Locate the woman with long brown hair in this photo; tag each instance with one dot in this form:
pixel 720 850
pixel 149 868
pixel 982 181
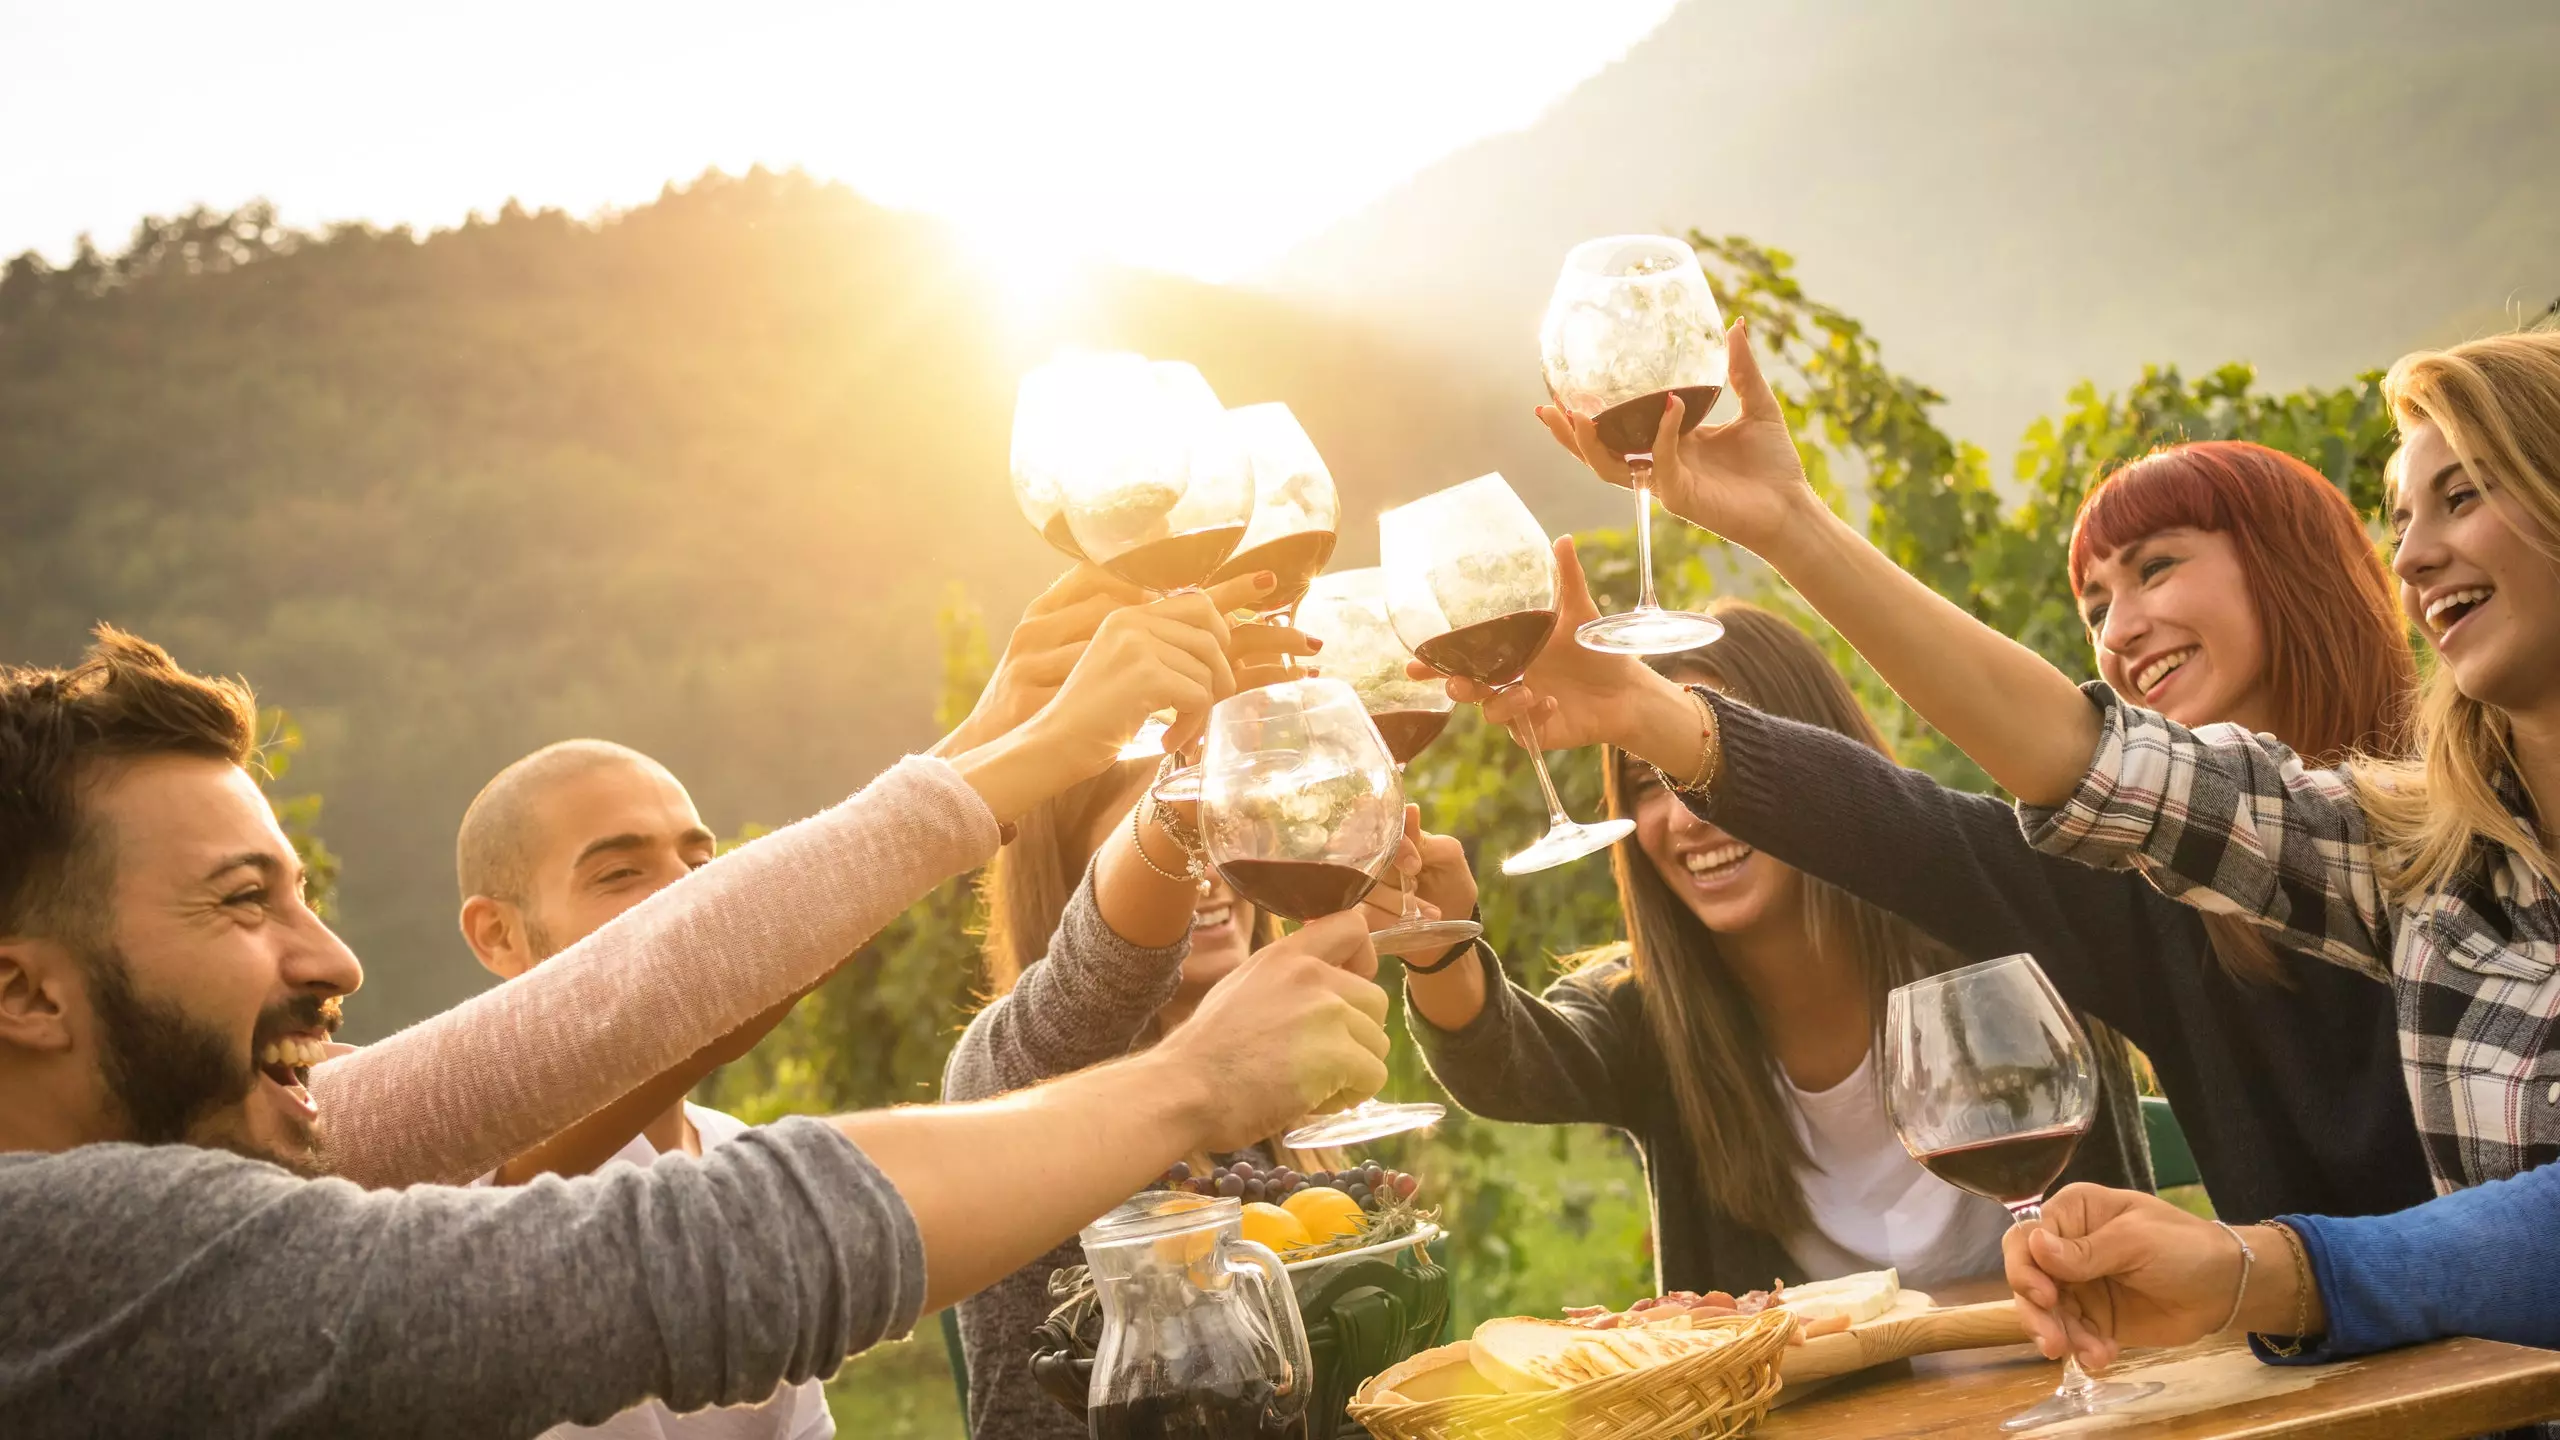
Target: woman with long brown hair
pixel 2436 873
pixel 2222 582
pixel 1733 1037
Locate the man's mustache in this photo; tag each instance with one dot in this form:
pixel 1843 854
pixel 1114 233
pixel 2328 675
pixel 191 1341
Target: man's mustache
pixel 301 1014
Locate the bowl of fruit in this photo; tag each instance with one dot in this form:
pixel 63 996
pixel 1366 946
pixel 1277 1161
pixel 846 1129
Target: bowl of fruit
pixel 1316 1220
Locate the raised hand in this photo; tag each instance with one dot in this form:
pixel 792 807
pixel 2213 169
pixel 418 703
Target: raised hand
pixel 1266 654
pixel 1041 652
pixel 1579 696
pixel 1434 867
pixel 1298 1028
pixel 2109 1268
pixel 1742 479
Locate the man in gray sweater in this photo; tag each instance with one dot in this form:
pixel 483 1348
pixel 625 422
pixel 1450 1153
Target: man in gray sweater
pixel 164 991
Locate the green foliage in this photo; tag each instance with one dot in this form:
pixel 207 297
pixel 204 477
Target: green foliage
pixel 298 814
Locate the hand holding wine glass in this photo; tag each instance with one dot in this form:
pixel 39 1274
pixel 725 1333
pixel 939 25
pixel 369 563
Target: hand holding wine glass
pixel 1742 479
pixel 1168 654
pixel 1991 1086
pixel 1041 651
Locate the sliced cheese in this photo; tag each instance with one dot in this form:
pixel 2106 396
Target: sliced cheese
pixel 1856 1298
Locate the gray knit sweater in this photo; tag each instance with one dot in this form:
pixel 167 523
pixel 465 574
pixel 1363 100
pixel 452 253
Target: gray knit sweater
pixel 1088 1001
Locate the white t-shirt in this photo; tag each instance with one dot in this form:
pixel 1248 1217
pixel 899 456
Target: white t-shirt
pixel 1872 1204
pixel 795 1412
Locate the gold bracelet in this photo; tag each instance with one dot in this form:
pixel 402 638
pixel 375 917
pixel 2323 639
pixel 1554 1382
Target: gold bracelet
pixel 2301 1292
pixel 1710 761
pixel 1192 868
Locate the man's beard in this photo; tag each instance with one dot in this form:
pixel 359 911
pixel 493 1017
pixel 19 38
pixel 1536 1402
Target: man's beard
pixel 174 1078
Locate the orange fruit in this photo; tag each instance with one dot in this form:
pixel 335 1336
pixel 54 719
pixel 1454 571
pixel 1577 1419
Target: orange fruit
pixel 1272 1226
pixel 1327 1213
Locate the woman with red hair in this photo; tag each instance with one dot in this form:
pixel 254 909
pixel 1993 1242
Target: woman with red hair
pixel 2219 582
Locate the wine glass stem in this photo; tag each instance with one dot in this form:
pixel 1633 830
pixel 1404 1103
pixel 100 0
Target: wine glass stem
pixel 2075 1381
pixel 1640 475
pixel 1527 730
pixel 1411 910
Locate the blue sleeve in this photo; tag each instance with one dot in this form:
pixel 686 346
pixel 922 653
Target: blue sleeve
pixel 2483 1262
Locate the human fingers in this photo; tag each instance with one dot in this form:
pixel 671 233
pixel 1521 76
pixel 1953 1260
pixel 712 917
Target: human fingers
pixel 1177 634
pixel 1351 978
pixel 1509 708
pixel 1271 640
pixel 2107 1251
pixel 1666 436
pixel 1065 625
pixel 1083 582
pixel 1743 377
pixel 2043 1327
pixel 1573 588
pixel 1240 592
pixel 2018 1267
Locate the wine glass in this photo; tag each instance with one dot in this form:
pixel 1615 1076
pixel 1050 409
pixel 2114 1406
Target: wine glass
pixel 1347 610
pixel 1058 425
pixel 1471 590
pixel 1991 1086
pixel 1163 501
pixel 1631 324
pixel 1295 511
pixel 1301 813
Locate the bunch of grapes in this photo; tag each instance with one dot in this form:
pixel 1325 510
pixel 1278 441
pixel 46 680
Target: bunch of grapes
pixel 1368 1183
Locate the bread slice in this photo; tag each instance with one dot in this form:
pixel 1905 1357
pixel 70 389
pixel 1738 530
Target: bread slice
pixel 1521 1355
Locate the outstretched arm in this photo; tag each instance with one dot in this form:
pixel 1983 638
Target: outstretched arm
pixel 2020 719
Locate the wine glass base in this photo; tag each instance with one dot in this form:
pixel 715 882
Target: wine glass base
pixel 1423 937
pixel 1567 843
pixel 1182 787
pixel 1368 1120
pixel 1148 743
pixel 2070 1405
pixel 1649 632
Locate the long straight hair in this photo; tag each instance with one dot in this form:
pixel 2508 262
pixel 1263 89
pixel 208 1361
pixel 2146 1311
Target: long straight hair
pixel 1724 1080
pixel 2339 669
pixel 2498 403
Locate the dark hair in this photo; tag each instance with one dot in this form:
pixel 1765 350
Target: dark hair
pixel 1724 1082
pixel 59 730
pixel 2339 668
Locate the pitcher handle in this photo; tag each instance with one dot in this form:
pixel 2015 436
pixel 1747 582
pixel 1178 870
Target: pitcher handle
pixel 1280 1301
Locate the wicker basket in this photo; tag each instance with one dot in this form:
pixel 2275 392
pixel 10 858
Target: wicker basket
pixel 1712 1395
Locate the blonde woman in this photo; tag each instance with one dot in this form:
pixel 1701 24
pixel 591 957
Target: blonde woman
pixel 2435 874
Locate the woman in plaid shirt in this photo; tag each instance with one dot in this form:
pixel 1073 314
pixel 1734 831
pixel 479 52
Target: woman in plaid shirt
pixel 2436 874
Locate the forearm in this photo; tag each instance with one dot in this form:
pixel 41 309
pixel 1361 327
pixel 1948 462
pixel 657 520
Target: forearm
pixel 458 1094
pixel 1449 999
pixel 1524 1058
pixel 1139 883
pixel 2020 719
pixel 993 1184
pixel 1087 1001
pixel 2483 1261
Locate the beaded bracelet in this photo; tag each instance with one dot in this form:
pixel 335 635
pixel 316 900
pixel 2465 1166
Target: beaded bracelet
pixel 1192 868
pixel 1710 762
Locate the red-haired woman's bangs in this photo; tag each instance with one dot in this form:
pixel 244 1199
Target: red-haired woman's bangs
pixel 2164 490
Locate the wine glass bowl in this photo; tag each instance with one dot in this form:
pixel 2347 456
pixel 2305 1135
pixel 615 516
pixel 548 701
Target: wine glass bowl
pixel 1165 499
pixel 1301 812
pixel 1299 803
pixel 1296 510
pixel 1471 591
pixel 1058 426
pixel 1630 324
pixel 1991 1086
pixel 1347 610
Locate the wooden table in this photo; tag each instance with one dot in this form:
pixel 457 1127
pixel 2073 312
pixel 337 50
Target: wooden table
pixel 2441 1391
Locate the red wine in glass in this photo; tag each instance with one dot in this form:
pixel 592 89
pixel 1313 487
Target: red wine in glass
pixel 1297 889
pixel 1293 560
pixel 1629 428
pixel 1494 653
pixel 1409 732
pixel 2014 1170
pixel 1176 562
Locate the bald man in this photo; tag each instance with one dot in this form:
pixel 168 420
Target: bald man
pixel 560 842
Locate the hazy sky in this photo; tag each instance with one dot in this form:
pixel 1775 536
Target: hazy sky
pixel 1199 136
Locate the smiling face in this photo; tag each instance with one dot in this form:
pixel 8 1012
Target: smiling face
pixel 2176 629
pixel 602 839
pixel 1221 934
pixel 219 987
pixel 1729 886
pixel 2477 577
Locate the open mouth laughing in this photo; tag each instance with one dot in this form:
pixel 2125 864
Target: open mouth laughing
pixel 1716 863
pixel 2447 609
pixel 2148 680
pixel 286 1063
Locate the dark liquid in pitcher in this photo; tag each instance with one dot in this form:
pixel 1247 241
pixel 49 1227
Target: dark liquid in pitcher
pixel 1211 1413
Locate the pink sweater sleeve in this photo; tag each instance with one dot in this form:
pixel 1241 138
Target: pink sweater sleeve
pixel 455 1095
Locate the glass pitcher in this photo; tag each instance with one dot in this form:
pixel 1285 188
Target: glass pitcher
pixel 1201 1338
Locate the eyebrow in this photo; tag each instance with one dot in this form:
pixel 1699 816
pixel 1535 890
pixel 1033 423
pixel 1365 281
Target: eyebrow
pixel 2128 555
pixel 2440 476
pixel 269 868
pixel 633 840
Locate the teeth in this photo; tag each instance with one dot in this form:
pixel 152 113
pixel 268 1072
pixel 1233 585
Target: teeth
pixel 1219 915
pixel 2158 670
pixel 1702 861
pixel 295 1051
pixel 2472 596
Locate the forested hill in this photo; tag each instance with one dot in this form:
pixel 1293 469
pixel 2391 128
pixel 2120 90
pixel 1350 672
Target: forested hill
pixel 696 478
pixel 2016 193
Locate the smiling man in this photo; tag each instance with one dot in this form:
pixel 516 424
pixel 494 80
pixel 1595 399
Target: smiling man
pixel 167 1271
pixel 553 847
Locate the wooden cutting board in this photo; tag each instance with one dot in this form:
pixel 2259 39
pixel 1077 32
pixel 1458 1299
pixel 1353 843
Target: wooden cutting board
pixel 1913 1327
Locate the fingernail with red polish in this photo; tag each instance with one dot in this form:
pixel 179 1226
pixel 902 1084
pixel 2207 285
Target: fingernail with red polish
pixel 1264 580
pixel 1314 644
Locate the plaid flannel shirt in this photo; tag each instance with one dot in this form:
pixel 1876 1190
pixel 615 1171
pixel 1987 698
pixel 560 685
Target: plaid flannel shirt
pixel 2233 822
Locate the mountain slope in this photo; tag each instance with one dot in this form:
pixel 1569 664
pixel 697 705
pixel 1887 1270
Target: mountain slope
pixel 2018 194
